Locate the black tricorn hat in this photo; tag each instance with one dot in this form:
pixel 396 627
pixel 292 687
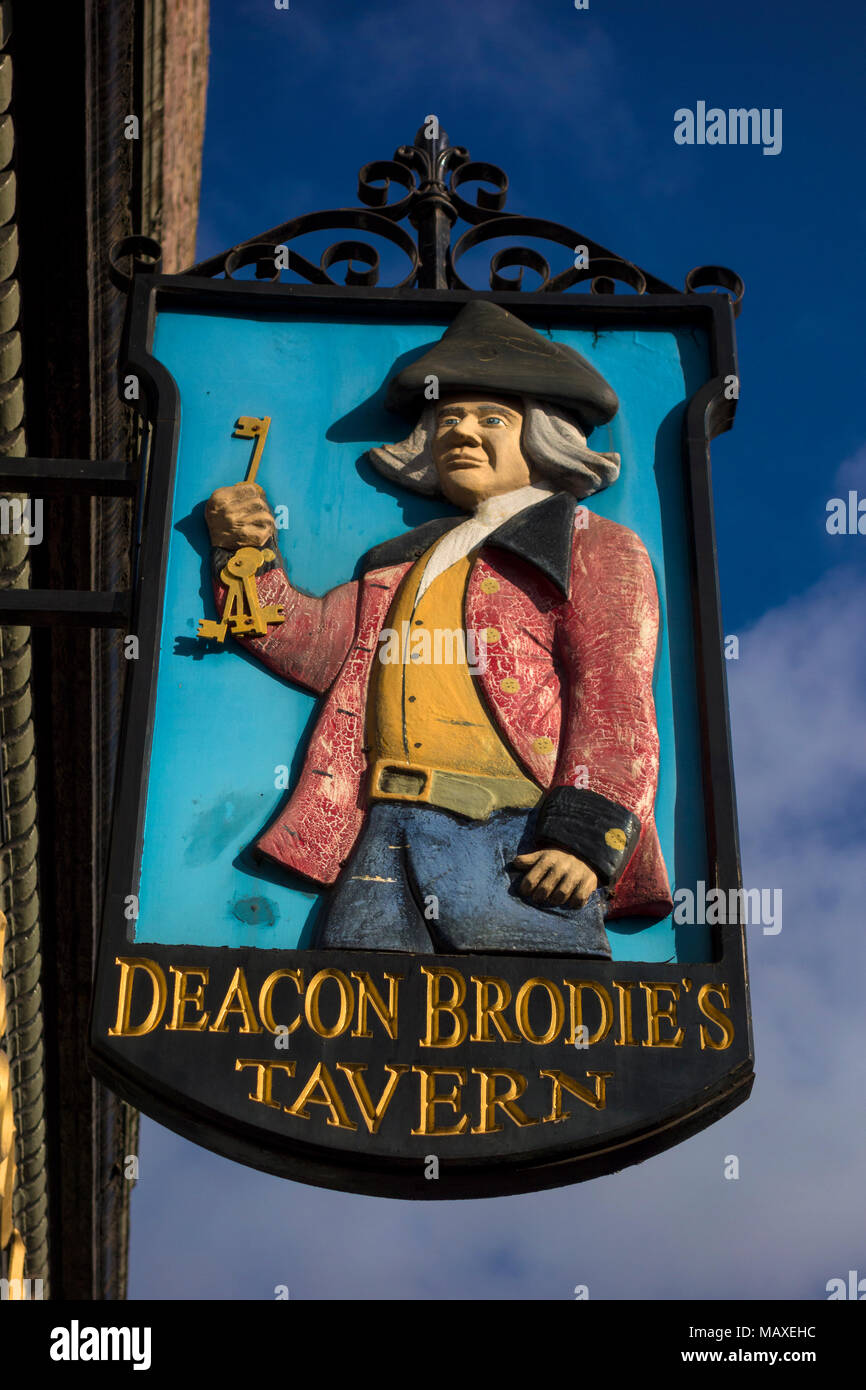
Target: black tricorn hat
pixel 488 349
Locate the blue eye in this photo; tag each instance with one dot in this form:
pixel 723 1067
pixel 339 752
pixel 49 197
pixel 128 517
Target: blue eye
pixel 494 420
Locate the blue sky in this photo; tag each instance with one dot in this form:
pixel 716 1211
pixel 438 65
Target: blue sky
pixel 578 108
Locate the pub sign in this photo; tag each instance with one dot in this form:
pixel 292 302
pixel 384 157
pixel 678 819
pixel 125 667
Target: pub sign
pixel 425 746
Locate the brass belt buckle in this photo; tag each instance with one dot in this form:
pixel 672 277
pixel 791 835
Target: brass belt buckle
pixel 401 781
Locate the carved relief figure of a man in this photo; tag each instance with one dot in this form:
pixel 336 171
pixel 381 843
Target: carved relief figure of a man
pixel 505 805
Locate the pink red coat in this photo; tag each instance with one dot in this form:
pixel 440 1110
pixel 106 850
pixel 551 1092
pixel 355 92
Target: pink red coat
pixel 575 602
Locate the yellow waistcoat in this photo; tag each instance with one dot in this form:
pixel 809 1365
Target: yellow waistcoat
pixel 430 736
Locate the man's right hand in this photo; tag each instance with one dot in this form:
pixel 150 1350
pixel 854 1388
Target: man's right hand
pixel 239 515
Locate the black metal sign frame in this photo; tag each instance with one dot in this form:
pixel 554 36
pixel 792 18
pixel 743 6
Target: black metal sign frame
pixel 164 1073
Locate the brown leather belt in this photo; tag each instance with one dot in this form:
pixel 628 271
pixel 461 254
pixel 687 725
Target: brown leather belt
pixel 466 793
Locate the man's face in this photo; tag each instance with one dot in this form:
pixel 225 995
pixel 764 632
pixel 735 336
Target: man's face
pixel 476 447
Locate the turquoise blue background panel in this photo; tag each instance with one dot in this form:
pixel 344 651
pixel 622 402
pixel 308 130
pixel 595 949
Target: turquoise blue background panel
pixel 227 733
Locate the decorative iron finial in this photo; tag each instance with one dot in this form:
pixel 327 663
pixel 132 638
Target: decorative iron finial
pixel 432 175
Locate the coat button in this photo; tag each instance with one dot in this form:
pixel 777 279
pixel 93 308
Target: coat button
pixel 492 634
pixel 542 745
pixel 616 838
pixel 490 586
pixel 510 685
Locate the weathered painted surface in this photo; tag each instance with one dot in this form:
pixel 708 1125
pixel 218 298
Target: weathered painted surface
pixel 228 736
pixel 569 684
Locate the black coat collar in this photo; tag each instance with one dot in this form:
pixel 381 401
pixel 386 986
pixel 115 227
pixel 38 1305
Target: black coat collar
pixel 542 534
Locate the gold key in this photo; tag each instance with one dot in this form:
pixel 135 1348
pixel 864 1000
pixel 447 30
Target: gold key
pixel 242 614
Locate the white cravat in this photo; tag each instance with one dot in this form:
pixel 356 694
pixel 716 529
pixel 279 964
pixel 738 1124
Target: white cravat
pixel 487 516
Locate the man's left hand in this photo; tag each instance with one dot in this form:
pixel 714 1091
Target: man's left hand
pixel 556 877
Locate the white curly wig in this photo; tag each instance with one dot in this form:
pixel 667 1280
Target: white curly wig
pixel 552 444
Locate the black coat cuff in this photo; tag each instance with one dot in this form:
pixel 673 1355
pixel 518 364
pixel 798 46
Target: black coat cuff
pixel 597 830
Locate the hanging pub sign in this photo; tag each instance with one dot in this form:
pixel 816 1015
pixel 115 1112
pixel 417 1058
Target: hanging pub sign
pixel 425 751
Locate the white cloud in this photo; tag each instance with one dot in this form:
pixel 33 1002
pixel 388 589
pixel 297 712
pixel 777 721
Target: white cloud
pixel 797 701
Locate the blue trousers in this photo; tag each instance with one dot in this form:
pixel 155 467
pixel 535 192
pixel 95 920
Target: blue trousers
pixel 424 880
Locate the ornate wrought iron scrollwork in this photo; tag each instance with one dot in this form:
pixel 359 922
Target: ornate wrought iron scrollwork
pixel 704 276
pixel 603 265
pixel 271 253
pixel 431 177
pixel 143 252
pixel 383 171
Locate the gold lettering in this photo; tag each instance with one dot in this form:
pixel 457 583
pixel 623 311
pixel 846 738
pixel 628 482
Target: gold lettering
pixel 387 1013
pixel 562 1082
pixel 506 1102
pixel 626 1036
pixel 575 991
pixel 711 1012
pixel 178 1022
pixel 372 1115
pixel 655 1015
pixel 266 1012
pixel 264 1078
pixel 429 1099
pixel 435 1007
pixel 487 1013
pixel 521 1010
pixel 347 1004
pixel 240 990
pixel 330 1097
pixel 122 1026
